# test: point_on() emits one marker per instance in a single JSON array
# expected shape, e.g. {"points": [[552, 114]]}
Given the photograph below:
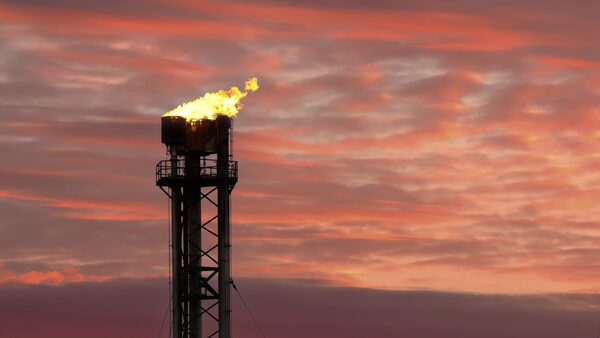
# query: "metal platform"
{"points": [[168, 175]]}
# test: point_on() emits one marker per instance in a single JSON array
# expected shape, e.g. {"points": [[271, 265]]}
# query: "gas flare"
{"points": [[222, 102]]}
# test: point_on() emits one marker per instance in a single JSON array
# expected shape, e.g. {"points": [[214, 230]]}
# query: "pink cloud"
{"points": [[92, 209]]}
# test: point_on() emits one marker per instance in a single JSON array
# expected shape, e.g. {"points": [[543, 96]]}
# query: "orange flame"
{"points": [[218, 103]]}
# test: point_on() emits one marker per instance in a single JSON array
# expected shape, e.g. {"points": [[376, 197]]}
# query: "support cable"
{"points": [[164, 319], [247, 308]]}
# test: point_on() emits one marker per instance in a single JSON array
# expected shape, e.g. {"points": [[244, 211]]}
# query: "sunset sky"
{"points": [[419, 159]]}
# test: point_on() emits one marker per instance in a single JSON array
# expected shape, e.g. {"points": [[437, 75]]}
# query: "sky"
{"points": [[421, 159]]}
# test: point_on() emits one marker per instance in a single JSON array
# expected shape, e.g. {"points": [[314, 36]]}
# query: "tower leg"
{"points": [[223, 193], [176, 228], [195, 240], [224, 264]]}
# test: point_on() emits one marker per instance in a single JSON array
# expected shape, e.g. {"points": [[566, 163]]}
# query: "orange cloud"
{"points": [[68, 275]]}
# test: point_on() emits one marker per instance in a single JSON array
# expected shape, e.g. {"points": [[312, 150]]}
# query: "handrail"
{"points": [[208, 168]]}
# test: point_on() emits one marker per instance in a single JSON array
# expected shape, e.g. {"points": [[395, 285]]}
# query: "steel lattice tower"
{"points": [[200, 176]]}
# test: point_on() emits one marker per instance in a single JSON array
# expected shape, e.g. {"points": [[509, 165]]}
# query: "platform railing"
{"points": [[208, 168]]}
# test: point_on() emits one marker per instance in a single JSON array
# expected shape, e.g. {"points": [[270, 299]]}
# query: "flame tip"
{"points": [[212, 104]]}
